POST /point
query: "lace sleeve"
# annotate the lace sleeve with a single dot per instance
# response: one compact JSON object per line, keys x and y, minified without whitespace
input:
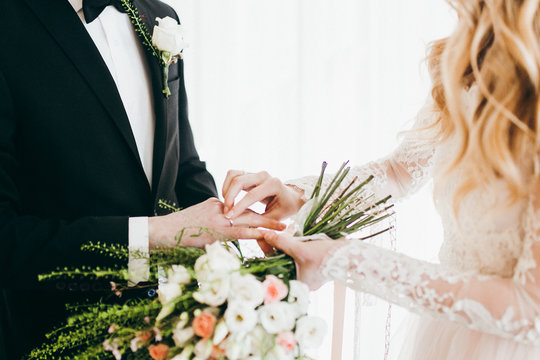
{"x":505,"y":307}
{"x":401,"y":173}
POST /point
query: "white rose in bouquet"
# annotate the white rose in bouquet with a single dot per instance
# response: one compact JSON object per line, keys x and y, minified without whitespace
{"x":310,"y":332}
{"x":203,"y":350}
{"x":240,"y":318}
{"x":217,"y":262}
{"x":221,"y":332}
{"x":169,"y":36}
{"x":185,"y":354}
{"x":214,"y":292}
{"x":168,"y":292}
{"x":178,"y":274}
{"x":260,"y":342}
{"x":237,"y":347}
{"x":203,"y":271}
{"x":299,"y":297}
{"x":279,"y":353}
{"x":182,"y":336}
{"x":277,"y":317}
{"x":246,"y":290}
{"x":222,"y":259}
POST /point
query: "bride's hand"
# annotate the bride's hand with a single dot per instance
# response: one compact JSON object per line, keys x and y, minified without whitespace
{"x":309,"y":256}
{"x":281,"y":200}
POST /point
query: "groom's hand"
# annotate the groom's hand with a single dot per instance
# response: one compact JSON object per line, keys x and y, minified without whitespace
{"x":205,"y":223}
{"x":281,"y":200}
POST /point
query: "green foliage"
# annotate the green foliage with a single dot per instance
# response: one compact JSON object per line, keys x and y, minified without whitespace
{"x":141,"y":29}
{"x":338,"y":216}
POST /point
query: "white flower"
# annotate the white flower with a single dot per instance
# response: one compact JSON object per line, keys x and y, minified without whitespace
{"x":178,"y":274}
{"x":278,"y":353}
{"x":203,"y":271}
{"x":237,"y":347}
{"x":168,"y":292}
{"x":169,"y":36}
{"x":220,"y":333}
{"x":247,"y":290}
{"x":185,"y":354}
{"x":217,"y":262}
{"x":277,"y":317}
{"x":182,"y":336}
{"x":221,"y":258}
{"x":214,"y":292}
{"x":259,"y":341}
{"x":299,"y":297}
{"x":310,"y":332}
{"x":240,"y":318}
{"x":203,"y":350}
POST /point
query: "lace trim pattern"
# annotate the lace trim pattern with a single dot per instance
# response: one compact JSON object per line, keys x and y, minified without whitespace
{"x":416,"y":285}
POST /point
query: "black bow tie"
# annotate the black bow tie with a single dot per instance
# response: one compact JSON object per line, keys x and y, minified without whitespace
{"x":92,"y":8}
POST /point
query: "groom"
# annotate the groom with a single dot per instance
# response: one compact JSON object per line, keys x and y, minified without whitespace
{"x":88,"y":146}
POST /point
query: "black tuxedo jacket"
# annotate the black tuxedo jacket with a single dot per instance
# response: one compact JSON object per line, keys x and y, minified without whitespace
{"x":69,"y":167}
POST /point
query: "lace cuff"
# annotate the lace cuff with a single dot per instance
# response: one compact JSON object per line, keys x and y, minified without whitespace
{"x":489,"y":304}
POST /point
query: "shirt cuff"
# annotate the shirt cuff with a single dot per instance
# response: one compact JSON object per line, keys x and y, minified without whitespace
{"x":139,"y":254}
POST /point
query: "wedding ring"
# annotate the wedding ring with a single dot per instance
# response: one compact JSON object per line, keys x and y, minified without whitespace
{"x":229,"y":220}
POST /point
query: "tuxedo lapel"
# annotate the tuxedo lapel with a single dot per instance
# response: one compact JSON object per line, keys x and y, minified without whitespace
{"x":67,"y":29}
{"x":148,"y":16}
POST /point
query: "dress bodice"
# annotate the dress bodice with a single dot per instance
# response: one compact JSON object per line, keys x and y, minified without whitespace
{"x":488,"y":237}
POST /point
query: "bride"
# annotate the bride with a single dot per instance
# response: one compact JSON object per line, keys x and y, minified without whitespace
{"x":479,"y":138}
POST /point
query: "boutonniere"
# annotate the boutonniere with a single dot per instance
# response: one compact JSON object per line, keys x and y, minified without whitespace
{"x":168,"y":38}
{"x":166,"y":43}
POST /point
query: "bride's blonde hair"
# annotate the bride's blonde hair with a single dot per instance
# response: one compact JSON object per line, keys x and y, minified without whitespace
{"x":496,"y":49}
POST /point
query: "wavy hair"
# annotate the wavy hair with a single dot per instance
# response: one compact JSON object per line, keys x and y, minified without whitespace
{"x":495,"y":48}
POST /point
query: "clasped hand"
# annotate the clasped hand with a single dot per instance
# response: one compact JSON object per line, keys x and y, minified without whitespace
{"x":281,"y":201}
{"x":205,"y":223}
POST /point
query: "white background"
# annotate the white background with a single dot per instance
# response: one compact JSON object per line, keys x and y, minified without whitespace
{"x":281,"y":85}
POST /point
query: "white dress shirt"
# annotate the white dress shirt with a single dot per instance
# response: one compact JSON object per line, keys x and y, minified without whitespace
{"x":120,"y":48}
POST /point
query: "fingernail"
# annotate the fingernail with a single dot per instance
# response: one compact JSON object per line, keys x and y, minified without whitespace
{"x":283,"y":226}
{"x":225,"y":209}
{"x":230,"y":213}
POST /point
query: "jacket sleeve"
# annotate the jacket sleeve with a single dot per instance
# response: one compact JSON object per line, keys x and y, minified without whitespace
{"x":31,"y":245}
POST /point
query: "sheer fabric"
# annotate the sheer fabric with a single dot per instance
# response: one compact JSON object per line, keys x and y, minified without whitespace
{"x":483,"y":300}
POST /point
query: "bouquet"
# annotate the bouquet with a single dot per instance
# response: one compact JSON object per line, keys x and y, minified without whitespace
{"x":213,"y":303}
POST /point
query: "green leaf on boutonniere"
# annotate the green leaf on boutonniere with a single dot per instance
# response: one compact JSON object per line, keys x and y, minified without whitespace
{"x":140,"y":28}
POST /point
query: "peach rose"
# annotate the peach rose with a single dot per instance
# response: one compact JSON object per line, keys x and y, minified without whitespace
{"x":158,"y":352}
{"x":274,"y":289}
{"x":203,"y":325}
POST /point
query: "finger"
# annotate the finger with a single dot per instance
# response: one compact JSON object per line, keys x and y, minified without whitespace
{"x":270,"y":187}
{"x":252,"y":219}
{"x":283,"y":242}
{"x":234,"y":233}
{"x":242,"y":182}
{"x":231,"y":174}
{"x":265,"y":247}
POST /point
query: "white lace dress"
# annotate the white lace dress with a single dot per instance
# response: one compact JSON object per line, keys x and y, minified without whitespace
{"x":483,"y":300}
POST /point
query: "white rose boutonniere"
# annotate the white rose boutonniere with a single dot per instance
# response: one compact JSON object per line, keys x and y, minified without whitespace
{"x":168,"y":38}
{"x":166,"y":43}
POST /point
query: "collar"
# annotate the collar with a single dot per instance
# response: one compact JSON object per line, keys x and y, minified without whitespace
{"x":76,"y":4}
